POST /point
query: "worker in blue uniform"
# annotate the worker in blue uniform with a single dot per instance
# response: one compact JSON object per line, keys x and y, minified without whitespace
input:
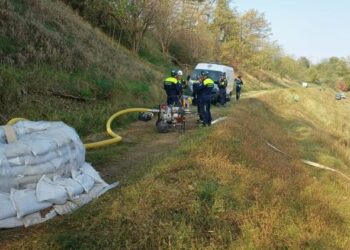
{"x":173,"y":88}
{"x":239,"y":83}
{"x":198,"y":81}
{"x":204,"y":90}
{"x":222,"y":88}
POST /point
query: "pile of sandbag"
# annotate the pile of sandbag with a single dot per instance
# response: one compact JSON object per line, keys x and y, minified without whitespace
{"x":43,"y":168}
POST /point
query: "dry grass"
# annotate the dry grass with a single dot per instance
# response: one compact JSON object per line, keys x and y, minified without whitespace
{"x":223,"y":188}
{"x":266,"y":80}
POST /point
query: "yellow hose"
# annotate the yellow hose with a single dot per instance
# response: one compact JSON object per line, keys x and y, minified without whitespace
{"x":14,"y":120}
{"x":116,"y":138}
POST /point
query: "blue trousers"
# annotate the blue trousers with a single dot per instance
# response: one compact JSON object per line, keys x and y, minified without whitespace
{"x":238,"y":92}
{"x":222,"y":94}
{"x":173,"y":100}
{"x":205,"y":109}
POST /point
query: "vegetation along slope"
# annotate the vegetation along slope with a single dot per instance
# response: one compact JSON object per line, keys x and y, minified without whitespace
{"x":238,"y":184}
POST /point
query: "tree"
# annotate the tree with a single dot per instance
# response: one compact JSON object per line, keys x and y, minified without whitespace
{"x":167,"y":23}
{"x":134,"y":17}
{"x":224,"y":27}
{"x":304,"y":62}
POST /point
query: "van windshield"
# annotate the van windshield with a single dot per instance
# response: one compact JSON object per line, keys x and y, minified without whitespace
{"x":213,"y":74}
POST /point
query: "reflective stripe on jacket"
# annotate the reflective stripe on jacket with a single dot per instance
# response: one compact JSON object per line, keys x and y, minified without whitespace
{"x":205,"y":88}
{"x":208,"y":82}
{"x":172,"y":86}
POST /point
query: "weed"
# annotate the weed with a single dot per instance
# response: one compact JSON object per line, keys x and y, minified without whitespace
{"x":206,"y":192}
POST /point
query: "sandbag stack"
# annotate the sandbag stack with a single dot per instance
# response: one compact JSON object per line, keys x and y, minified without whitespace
{"x":42,"y":167}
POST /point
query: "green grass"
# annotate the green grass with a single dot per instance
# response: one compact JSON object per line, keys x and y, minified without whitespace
{"x":63,"y":54}
{"x":222,"y":188}
{"x":8,"y":45}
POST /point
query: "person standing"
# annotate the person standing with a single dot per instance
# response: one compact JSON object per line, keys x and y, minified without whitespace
{"x":197,"y":80}
{"x":239,"y":83}
{"x":172,"y":88}
{"x":222,"y":88}
{"x":204,"y":90}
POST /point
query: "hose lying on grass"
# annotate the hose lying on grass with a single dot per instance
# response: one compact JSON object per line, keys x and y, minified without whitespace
{"x":115,"y":137}
{"x":310,"y":163}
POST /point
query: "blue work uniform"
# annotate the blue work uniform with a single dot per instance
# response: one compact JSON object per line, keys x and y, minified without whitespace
{"x":196,"y":98}
{"x":239,"y":84}
{"x":204,"y":90}
{"x":172,"y":88}
{"x":222,"y":90}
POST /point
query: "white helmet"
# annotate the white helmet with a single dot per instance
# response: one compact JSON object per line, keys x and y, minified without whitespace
{"x":180,"y":73}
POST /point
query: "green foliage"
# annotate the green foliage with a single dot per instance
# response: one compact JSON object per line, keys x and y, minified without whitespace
{"x":333,"y":71}
{"x":8,"y":45}
{"x":313,"y":75}
{"x":20,"y":6}
{"x":151,"y":52}
{"x":206,"y":192}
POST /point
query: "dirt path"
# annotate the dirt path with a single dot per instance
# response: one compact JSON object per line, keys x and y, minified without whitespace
{"x":142,"y":147}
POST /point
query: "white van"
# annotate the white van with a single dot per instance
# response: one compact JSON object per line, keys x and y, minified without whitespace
{"x":215,"y":70}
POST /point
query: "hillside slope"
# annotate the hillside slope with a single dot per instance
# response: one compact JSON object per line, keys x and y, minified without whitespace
{"x":223,"y":187}
{"x":55,"y":66}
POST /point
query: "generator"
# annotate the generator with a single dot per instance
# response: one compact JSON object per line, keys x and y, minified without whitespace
{"x":170,"y":117}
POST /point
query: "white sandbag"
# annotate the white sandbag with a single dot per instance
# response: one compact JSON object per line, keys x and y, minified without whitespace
{"x":44,"y":150}
{"x":89,"y":170}
{"x":40,"y":169}
{"x":61,"y":138}
{"x":100,"y":189}
{"x":40,"y":147}
{"x":34,"y":219}
{"x":25,"y":202}
{"x":3,"y":159}
{"x":22,"y":181}
{"x":82,"y":199}
{"x":17,"y":148}
{"x":85,"y":180}
{"x":6,"y":184}
{"x":2,"y":135}
{"x":66,"y":208}
{"x":47,"y":190}
{"x":7,"y":210}
{"x":16,"y":161}
{"x":58,"y":162}
{"x":10,"y":223}
{"x":28,"y":127}
{"x":5,"y":170}
{"x":34,"y":160}
{"x":73,"y":188}
{"x":29,"y":186}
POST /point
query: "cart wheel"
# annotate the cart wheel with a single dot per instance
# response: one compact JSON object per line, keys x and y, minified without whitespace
{"x":162,"y":126}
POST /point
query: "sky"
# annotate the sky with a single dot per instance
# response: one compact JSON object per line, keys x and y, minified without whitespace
{"x":317,"y":29}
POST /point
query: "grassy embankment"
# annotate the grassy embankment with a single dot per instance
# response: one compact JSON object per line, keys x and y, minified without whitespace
{"x":55,"y":66}
{"x":225,"y":188}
